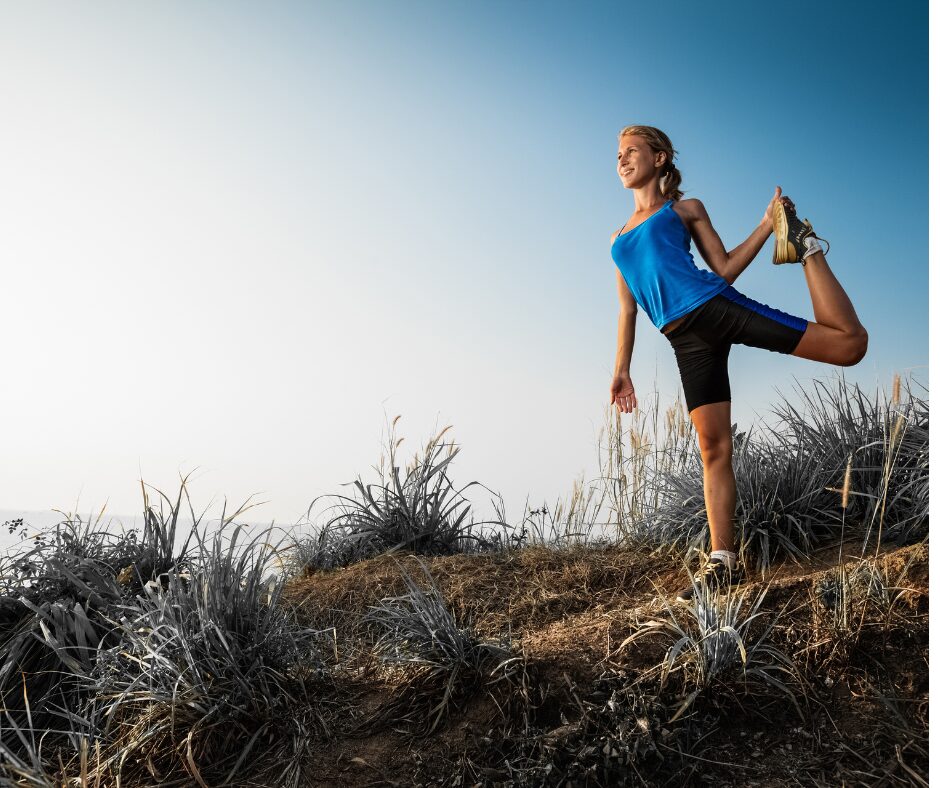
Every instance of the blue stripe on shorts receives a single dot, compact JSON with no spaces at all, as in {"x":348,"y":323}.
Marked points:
{"x":799,"y":323}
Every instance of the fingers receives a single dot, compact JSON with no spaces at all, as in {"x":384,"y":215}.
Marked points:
{"x":624,"y":395}
{"x":626,"y":403}
{"x":783,"y":199}
{"x":779,"y":195}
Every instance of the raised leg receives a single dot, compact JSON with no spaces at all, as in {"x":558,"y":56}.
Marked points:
{"x":713,"y":425}
{"x":837,"y":336}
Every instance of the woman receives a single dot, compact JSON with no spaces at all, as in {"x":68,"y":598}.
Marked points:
{"x":702,"y":315}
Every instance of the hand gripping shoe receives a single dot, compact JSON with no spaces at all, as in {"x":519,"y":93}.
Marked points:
{"x":790,"y":236}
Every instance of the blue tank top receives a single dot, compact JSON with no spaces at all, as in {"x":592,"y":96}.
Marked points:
{"x":655,"y":259}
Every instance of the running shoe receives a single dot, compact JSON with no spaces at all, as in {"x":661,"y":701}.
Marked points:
{"x":790,"y":236}
{"x":716,"y":576}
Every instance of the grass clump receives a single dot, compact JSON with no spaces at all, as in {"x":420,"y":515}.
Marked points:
{"x":717,"y":644}
{"x":887,"y":441}
{"x":786,"y":474}
{"x":852,"y":603}
{"x":444,"y":661}
{"x":638,"y":463}
{"x":420,"y":511}
{"x":178,"y":678}
{"x":779,"y":499}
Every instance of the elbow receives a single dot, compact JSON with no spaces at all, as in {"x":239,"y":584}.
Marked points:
{"x":727,"y":271}
{"x":726,"y":266}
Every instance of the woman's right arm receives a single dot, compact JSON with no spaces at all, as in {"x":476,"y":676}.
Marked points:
{"x":621,"y":389}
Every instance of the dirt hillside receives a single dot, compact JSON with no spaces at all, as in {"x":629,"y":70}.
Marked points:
{"x":568,"y":613}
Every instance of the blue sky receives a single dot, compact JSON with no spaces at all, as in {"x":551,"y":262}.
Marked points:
{"x":238,"y":236}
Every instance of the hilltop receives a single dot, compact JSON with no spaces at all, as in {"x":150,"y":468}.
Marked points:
{"x":568,"y":613}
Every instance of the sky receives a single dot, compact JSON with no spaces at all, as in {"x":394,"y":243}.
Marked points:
{"x":239,"y":238}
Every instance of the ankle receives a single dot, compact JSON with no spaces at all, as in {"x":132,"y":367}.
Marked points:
{"x":811,"y":248}
{"x":728,"y":557}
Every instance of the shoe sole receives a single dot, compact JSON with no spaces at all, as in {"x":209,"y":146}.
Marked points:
{"x":784,"y":250}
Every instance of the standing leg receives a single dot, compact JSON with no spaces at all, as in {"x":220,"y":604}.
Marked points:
{"x":713,"y":426}
{"x":702,"y":350}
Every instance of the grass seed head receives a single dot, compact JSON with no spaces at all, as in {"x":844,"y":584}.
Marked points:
{"x":847,"y":483}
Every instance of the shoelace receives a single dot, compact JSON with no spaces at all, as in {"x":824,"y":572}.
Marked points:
{"x":711,"y":568}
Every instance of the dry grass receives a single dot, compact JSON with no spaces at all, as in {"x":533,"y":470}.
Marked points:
{"x":132,"y":660}
{"x":568,"y":610}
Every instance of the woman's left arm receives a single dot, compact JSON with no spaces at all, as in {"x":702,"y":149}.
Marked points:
{"x":729,"y":265}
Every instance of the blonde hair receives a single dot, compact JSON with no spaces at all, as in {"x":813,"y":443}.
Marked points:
{"x":659,"y":142}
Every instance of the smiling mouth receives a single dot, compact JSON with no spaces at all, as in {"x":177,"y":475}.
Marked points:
{"x":626,"y":172}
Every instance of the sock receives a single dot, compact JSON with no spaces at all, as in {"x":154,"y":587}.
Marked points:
{"x":812,"y":246}
{"x":728,"y":557}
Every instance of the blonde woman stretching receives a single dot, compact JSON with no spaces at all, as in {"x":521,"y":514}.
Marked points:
{"x":702,"y":315}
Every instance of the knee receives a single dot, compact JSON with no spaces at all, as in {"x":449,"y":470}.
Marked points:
{"x":856,"y":346}
{"x":715,"y":450}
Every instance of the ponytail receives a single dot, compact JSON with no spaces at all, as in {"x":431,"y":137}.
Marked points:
{"x":671,"y":181}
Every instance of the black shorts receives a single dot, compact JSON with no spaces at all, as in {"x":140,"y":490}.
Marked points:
{"x":703,"y":340}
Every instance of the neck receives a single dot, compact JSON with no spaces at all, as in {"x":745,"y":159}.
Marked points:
{"x":648,"y":198}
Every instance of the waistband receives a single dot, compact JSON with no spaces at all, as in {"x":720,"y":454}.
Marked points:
{"x":689,"y":317}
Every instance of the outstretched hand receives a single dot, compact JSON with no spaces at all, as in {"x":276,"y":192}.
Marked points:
{"x":769,"y":215}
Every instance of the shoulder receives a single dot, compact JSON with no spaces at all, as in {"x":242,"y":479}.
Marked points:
{"x":692,"y":208}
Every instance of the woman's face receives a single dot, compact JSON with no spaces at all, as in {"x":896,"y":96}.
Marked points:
{"x":636,"y":162}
